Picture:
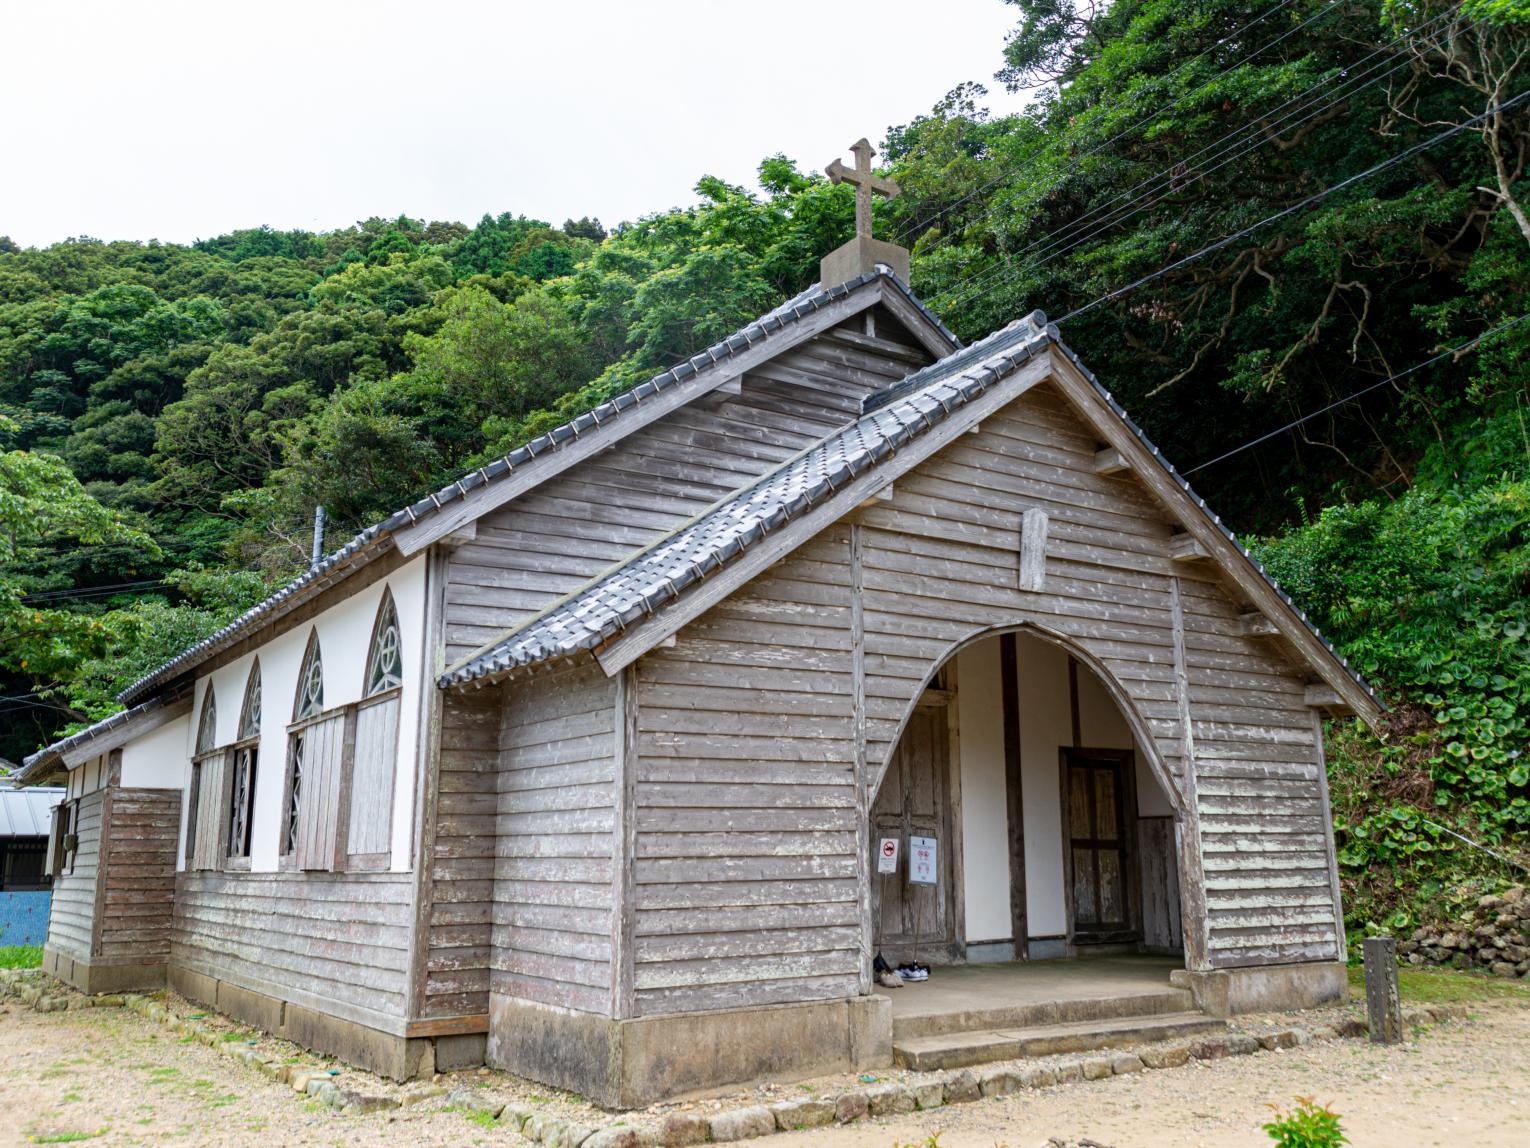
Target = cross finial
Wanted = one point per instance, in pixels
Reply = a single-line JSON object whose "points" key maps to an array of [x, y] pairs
{"points": [[865, 183]]}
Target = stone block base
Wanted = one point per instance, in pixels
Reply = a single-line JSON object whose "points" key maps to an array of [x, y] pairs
{"points": [[1266, 988], [102, 978], [637, 1062], [385, 1053]]}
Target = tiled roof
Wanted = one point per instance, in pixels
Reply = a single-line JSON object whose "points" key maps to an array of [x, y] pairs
{"points": [[663, 571], [373, 540], [53, 755]]}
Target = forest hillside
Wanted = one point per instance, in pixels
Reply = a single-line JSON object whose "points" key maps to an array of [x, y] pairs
{"points": [[1297, 224]]}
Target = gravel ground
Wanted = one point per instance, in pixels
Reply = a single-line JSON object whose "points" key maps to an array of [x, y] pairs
{"points": [[111, 1075]]}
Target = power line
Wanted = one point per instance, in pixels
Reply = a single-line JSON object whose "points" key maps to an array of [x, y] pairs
{"points": [[1374, 169], [1054, 246], [1456, 350], [45, 596], [1014, 170]]}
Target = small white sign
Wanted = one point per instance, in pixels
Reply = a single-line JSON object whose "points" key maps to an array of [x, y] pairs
{"points": [[921, 860], [887, 855]]}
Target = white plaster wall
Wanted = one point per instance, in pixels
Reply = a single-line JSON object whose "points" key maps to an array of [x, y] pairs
{"points": [[985, 813], [157, 760], [1046, 726], [345, 631]]}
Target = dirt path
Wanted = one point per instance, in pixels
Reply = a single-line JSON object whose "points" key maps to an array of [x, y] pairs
{"points": [[108, 1075]]}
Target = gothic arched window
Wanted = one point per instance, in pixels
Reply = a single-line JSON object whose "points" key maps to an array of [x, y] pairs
{"points": [[245, 761]]}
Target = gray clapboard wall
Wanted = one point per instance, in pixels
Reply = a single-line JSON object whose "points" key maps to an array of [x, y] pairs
{"points": [[553, 873], [335, 943], [138, 876], [745, 870], [746, 722], [551, 540], [72, 914]]}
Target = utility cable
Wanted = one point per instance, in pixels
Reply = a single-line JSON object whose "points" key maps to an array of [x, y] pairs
{"points": [[1448, 353]]}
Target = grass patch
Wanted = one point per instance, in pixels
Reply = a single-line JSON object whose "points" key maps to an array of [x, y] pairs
{"points": [[1448, 986], [20, 956], [62, 1137]]}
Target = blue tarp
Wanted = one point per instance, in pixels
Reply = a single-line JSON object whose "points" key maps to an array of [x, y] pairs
{"points": [[24, 917]]}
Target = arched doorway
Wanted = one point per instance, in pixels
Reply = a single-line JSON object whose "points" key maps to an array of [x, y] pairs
{"points": [[1036, 789]]}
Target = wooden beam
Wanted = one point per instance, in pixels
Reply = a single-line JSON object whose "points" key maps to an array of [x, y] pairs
{"points": [[1033, 550], [1324, 697], [1187, 548], [1014, 798], [883, 495], [130, 730], [1110, 461], [1256, 625], [467, 532]]}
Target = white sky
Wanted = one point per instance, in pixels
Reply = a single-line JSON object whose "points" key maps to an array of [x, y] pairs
{"points": [[177, 121]]}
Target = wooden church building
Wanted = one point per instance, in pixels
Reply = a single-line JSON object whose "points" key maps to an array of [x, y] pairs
{"points": [[581, 766]]}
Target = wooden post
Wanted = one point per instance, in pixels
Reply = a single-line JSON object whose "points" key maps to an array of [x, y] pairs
{"points": [[1382, 1004]]}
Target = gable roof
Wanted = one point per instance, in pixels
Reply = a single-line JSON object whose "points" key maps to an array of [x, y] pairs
{"points": [[663, 571], [615, 413], [913, 409]]}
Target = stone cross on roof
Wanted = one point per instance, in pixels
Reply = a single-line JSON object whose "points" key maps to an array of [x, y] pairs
{"points": [[865, 183], [863, 253]]}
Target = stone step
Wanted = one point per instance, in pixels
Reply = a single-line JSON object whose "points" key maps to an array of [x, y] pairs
{"points": [[912, 1023], [964, 1049]]}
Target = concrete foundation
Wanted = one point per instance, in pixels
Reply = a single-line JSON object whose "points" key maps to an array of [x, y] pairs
{"points": [[387, 1054], [636, 1062], [1266, 988], [102, 978]]}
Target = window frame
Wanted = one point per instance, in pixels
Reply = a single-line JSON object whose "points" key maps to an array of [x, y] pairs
{"points": [[245, 748]]}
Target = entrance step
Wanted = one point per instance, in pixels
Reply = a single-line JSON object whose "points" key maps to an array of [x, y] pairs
{"points": [[964, 1049], [940, 1011]]}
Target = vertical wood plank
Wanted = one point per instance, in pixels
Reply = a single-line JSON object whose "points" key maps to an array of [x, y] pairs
{"points": [[862, 781]]}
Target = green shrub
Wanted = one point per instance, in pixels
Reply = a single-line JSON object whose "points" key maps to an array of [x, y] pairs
{"points": [[1308, 1125]]}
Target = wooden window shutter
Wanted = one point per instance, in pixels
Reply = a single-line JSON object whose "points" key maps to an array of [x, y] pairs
{"points": [[53, 864], [207, 849], [316, 813], [370, 813]]}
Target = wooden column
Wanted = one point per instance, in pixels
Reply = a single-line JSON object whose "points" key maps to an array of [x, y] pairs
{"points": [[1192, 871], [1009, 683], [624, 846], [862, 782]]}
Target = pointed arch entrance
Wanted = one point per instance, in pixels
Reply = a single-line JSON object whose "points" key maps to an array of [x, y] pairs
{"points": [[1055, 819]]}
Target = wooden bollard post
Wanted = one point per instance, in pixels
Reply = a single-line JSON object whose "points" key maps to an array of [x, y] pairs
{"points": [[1382, 1004]]}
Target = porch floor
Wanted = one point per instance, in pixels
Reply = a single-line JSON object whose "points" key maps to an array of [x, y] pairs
{"points": [[1015, 994]]}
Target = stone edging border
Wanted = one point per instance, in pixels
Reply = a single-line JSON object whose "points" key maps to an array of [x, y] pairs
{"points": [[935, 1090], [932, 1090]]}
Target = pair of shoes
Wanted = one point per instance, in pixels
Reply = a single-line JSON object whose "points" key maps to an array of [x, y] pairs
{"points": [[889, 979], [913, 971]]}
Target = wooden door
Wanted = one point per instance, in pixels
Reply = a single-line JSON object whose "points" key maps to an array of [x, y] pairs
{"points": [[1099, 884], [915, 801]]}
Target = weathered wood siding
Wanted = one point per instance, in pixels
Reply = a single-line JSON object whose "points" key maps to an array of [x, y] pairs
{"points": [[548, 542], [747, 864], [745, 874], [138, 876], [553, 889], [461, 857], [335, 943], [72, 914], [1157, 862]]}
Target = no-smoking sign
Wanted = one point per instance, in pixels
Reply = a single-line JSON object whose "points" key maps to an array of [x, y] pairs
{"points": [[887, 855]]}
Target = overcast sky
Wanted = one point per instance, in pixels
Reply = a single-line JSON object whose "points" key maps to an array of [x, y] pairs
{"points": [[169, 120]]}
